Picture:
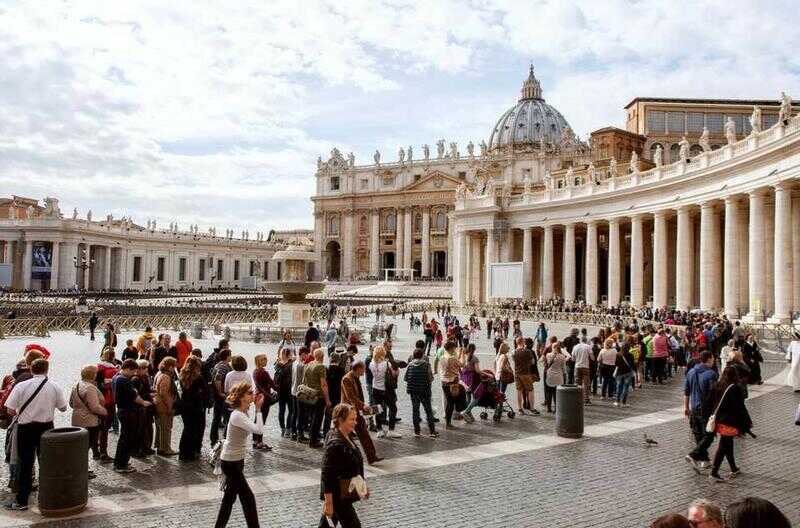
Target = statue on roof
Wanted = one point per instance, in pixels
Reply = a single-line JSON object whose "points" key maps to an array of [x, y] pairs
{"points": [[461, 192], [484, 148], [351, 159], [612, 168], [75, 213], [634, 164], [454, 150], [730, 131], [426, 152], [684, 149], [409, 154], [658, 156], [401, 155], [377, 157], [471, 149], [786, 109], [755, 120], [29, 212], [440, 148], [89, 216], [703, 141], [51, 209]]}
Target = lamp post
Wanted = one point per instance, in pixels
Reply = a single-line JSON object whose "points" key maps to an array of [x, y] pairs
{"points": [[82, 262]]}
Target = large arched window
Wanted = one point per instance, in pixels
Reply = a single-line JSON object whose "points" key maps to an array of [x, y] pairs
{"points": [[390, 223], [674, 153], [653, 149], [441, 221], [333, 226]]}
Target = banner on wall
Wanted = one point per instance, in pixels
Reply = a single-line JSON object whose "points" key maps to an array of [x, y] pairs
{"points": [[42, 256]]}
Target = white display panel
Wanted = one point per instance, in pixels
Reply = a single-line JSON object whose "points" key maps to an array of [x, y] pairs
{"points": [[505, 280]]}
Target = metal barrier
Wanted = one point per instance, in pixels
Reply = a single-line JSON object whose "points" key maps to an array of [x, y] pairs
{"points": [[41, 326]]}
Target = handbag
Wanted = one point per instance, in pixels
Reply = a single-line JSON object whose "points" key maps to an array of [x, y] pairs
{"points": [[711, 425], [454, 389], [307, 395], [345, 493], [506, 374], [177, 405]]}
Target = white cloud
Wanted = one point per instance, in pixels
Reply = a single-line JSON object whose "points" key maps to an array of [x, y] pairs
{"points": [[215, 113]]}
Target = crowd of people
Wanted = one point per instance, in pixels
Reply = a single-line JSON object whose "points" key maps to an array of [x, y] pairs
{"points": [[316, 385]]}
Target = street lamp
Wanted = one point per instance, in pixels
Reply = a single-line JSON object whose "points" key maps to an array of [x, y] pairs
{"points": [[83, 262]]}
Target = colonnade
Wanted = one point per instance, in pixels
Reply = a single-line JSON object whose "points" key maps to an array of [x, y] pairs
{"points": [[739, 254]]}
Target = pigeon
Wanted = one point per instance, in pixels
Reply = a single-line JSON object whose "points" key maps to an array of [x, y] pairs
{"points": [[649, 442]]}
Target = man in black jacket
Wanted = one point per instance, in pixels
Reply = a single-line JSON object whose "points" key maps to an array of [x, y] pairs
{"points": [[569, 342], [312, 334]]}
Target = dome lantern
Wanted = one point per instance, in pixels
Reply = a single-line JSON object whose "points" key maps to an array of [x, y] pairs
{"points": [[531, 89]]}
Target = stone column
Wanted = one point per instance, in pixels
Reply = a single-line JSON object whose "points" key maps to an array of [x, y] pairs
{"points": [[70, 273], [450, 257], [684, 268], [460, 282], [660, 259], [27, 264], [319, 240], [757, 281], [426, 242], [122, 269], [527, 262], [476, 282], [408, 232], [710, 269], [55, 268], [568, 267], [87, 273], [731, 285], [107, 269], [548, 271], [347, 249], [782, 259], [637, 261], [375, 249], [508, 251], [614, 264], [796, 251], [399, 242], [491, 257], [591, 263]]}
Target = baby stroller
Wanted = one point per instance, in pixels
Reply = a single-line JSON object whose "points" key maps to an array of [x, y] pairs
{"points": [[489, 397]]}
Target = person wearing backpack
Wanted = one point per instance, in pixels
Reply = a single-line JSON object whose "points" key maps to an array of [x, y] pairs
{"points": [[33, 403], [283, 382], [221, 410], [106, 370]]}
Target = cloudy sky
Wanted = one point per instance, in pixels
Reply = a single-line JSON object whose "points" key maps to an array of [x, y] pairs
{"points": [[215, 112]]}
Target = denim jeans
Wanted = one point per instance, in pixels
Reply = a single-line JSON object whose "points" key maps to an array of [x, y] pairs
{"points": [[607, 373], [623, 386]]}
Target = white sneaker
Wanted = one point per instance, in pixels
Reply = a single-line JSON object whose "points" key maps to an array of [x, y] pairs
{"points": [[616, 404], [393, 434], [381, 434]]}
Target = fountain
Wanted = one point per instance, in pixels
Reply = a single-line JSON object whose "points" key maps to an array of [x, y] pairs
{"points": [[294, 312]]}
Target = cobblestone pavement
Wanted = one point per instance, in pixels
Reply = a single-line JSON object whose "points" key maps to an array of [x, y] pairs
{"points": [[516, 473]]}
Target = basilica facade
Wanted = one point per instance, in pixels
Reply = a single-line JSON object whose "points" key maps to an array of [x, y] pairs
{"points": [[635, 214]]}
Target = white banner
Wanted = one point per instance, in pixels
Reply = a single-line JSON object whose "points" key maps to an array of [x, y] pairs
{"points": [[505, 280]]}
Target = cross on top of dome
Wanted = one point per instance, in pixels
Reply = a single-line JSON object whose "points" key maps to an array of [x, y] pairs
{"points": [[531, 89]]}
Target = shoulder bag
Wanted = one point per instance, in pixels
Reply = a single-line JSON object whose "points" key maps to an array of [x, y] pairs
{"points": [[27, 402], [506, 374], [711, 425]]}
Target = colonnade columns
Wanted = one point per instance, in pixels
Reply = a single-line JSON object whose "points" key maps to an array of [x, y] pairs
{"points": [[87, 273], [684, 267], [527, 263], [55, 268], [460, 281], [491, 256], [348, 251], [400, 238], [591, 263], [547, 264], [660, 259], [784, 275], [757, 281], [731, 287], [614, 264], [568, 273], [407, 240], [27, 264], [374, 249], [71, 274], [426, 242], [107, 269], [796, 251], [710, 269], [637, 261]]}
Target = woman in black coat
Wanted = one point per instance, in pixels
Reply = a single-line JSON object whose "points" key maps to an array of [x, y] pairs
{"points": [[732, 420], [751, 353], [193, 409], [341, 462]]}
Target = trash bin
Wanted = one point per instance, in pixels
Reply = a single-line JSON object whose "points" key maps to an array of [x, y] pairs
{"points": [[197, 330], [569, 411], [64, 471]]}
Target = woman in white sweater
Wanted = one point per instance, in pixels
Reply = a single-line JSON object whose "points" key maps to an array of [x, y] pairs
{"points": [[240, 427]]}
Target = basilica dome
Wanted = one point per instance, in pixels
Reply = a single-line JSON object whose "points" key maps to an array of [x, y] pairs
{"points": [[530, 121]]}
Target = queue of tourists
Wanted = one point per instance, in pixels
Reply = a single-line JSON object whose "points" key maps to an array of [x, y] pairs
{"points": [[315, 389]]}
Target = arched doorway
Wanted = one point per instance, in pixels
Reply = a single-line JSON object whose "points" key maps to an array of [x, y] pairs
{"points": [[439, 264], [333, 263], [388, 262], [417, 269]]}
